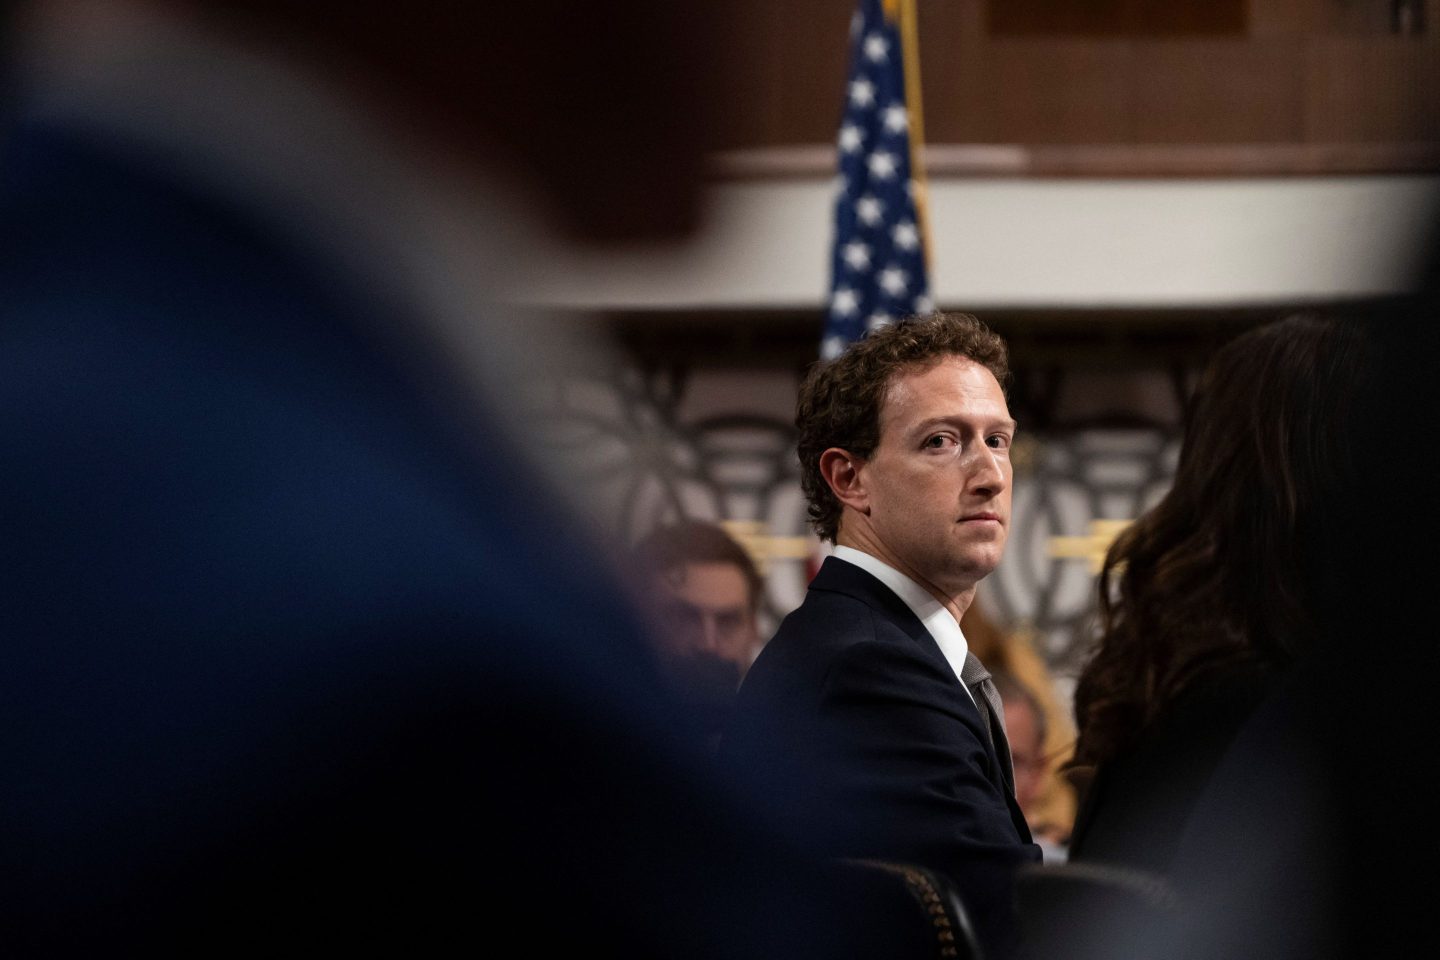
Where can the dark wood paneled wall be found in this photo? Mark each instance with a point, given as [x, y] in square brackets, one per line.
[1253, 72]
[1115, 18]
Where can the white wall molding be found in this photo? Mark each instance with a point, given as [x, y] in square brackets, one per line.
[1027, 242]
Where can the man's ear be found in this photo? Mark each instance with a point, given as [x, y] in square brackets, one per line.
[842, 471]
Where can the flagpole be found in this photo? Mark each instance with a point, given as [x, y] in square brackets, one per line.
[909, 21]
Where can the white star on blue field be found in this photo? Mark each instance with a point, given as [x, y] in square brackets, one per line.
[878, 264]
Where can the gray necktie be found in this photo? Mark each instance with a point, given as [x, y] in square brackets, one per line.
[992, 711]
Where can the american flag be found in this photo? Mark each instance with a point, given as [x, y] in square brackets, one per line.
[878, 271]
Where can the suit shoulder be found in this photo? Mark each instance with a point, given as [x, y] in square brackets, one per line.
[837, 621]
[827, 626]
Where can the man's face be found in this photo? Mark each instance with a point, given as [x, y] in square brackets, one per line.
[938, 485]
[707, 609]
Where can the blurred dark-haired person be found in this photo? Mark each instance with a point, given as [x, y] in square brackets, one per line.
[1198, 711]
[302, 655]
[709, 592]
[868, 688]
[705, 591]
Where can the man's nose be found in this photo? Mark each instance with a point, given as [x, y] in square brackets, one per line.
[987, 474]
[709, 634]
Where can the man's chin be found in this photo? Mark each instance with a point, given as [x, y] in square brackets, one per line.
[981, 547]
[976, 565]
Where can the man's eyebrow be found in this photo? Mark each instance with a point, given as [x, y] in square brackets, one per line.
[1006, 424]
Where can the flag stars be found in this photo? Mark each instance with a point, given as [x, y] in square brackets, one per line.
[894, 281]
[896, 118]
[870, 210]
[856, 255]
[882, 165]
[905, 235]
[879, 271]
[862, 93]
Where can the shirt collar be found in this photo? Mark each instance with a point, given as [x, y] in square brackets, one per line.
[938, 621]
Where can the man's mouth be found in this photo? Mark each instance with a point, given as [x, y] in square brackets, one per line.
[982, 517]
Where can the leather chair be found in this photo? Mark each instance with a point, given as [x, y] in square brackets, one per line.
[926, 914]
[1089, 911]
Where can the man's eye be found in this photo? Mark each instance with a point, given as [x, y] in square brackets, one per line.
[680, 614]
[729, 622]
[997, 441]
[937, 442]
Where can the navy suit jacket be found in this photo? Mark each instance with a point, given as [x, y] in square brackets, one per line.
[869, 742]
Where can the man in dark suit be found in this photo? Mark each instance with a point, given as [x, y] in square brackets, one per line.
[856, 711]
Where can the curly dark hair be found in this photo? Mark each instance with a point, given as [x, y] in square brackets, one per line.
[1224, 571]
[840, 399]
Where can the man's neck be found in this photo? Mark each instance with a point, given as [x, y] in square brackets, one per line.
[955, 601]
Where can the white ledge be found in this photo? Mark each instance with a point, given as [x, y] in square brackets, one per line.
[1026, 242]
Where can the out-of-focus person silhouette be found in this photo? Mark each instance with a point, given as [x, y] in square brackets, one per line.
[704, 590]
[1207, 599]
[879, 732]
[301, 653]
[1380, 607]
[1231, 748]
[708, 592]
[1025, 729]
[1051, 810]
